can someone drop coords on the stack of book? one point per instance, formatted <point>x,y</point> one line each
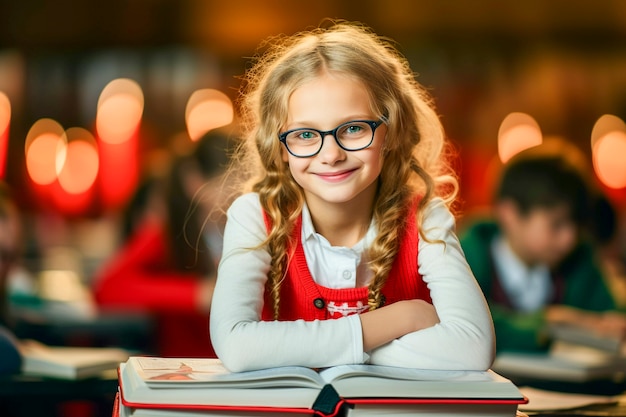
<point>179,387</point>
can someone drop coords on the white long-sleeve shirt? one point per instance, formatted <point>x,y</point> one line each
<point>463,340</point>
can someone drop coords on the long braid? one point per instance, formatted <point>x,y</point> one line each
<point>283,206</point>
<point>385,248</point>
<point>392,214</point>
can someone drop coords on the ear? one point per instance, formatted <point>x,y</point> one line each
<point>284,153</point>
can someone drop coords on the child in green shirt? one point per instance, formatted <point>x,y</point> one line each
<point>532,261</point>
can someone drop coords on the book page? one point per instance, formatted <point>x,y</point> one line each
<point>183,369</point>
<point>198,395</point>
<point>207,373</point>
<point>352,381</point>
<point>348,371</point>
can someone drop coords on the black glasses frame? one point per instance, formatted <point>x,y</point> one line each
<point>282,137</point>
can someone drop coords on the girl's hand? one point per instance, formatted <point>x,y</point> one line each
<point>395,320</point>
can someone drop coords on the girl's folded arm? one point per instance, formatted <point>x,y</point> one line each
<point>240,338</point>
<point>464,338</point>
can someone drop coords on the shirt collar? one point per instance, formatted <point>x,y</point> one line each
<point>528,287</point>
<point>308,230</point>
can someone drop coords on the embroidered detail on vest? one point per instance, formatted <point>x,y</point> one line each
<point>345,309</point>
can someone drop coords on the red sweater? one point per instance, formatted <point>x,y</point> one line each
<point>302,298</point>
<point>141,277</point>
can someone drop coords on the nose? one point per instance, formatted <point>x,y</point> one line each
<point>331,152</point>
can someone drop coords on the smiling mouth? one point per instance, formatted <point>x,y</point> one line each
<point>336,176</point>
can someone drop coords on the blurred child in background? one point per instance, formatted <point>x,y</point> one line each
<point>168,264</point>
<point>532,260</point>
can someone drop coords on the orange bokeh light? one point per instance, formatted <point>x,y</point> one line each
<point>80,168</point>
<point>608,159</point>
<point>120,108</point>
<point>604,125</point>
<point>518,131</point>
<point>207,109</point>
<point>45,149</point>
<point>5,112</point>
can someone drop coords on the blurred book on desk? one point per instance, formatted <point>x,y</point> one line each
<point>564,362</point>
<point>576,355</point>
<point>69,362</point>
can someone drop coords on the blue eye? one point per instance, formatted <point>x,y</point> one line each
<point>307,135</point>
<point>354,129</point>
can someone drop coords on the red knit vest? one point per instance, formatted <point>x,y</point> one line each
<point>302,298</point>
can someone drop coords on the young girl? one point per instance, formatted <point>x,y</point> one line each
<point>341,250</point>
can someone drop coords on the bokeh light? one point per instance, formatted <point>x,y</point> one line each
<point>5,112</point>
<point>120,108</point>
<point>207,109</point>
<point>518,131</point>
<point>80,168</point>
<point>45,150</point>
<point>608,149</point>
<point>604,125</point>
<point>5,120</point>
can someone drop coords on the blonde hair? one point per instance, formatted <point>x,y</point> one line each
<point>414,148</point>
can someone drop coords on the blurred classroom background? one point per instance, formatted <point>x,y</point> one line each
<point>95,94</point>
<point>97,97</point>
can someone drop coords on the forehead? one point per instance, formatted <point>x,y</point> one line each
<point>329,97</point>
<point>557,213</point>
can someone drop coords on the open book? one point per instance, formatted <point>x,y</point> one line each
<point>151,386</point>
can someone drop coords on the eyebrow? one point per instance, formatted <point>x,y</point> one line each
<point>299,125</point>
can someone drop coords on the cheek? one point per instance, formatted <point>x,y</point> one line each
<point>295,166</point>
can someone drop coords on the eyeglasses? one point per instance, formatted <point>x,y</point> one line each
<point>350,136</point>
